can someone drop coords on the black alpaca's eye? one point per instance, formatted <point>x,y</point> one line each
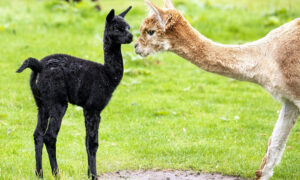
<point>150,32</point>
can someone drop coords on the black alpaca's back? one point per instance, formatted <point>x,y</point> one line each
<point>58,79</point>
<point>81,82</point>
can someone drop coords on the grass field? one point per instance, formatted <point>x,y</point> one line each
<point>166,114</point>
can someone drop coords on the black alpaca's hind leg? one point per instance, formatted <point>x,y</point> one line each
<point>56,113</point>
<point>38,139</point>
<point>92,121</point>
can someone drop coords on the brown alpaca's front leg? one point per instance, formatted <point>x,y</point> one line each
<point>287,119</point>
<point>263,163</point>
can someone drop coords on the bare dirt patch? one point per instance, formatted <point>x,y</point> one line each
<point>165,175</point>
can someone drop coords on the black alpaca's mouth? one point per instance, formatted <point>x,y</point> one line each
<point>129,39</point>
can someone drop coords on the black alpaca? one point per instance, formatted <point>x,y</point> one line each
<point>58,79</point>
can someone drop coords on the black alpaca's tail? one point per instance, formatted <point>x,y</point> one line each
<point>32,63</point>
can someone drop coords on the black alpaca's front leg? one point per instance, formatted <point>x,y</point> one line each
<point>92,121</point>
<point>38,139</point>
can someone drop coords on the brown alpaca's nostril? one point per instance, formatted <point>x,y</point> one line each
<point>136,45</point>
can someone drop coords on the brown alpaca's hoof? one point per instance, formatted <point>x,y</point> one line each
<point>258,174</point>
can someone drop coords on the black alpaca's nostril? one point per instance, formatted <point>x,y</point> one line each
<point>136,45</point>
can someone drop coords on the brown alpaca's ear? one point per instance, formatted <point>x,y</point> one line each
<point>168,4</point>
<point>165,19</point>
<point>158,12</point>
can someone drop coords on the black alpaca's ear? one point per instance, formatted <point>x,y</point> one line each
<point>110,15</point>
<point>125,12</point>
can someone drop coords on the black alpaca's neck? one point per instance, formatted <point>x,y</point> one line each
<point>113,61</point>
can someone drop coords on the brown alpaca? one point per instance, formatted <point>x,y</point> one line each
<point>272,62</point>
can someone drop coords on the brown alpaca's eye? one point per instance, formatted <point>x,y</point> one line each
<point>150,32</point>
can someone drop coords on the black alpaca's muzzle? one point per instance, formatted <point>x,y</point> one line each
<point>129,39</point>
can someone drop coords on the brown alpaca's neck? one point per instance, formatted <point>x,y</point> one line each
<point>229,60</point>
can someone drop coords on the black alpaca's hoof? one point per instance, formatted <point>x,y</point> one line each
<point>55,173</point>
<point>91,176</point>
<point>39,174</point>
<point>89,173</point>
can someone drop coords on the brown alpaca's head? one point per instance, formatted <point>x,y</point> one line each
<point>157,30</point>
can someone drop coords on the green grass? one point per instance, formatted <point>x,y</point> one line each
<point>166,114</point>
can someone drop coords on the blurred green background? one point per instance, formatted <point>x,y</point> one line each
<point>166,113</point>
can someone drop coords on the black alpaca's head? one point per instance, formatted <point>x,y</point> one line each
<point>117,29</point>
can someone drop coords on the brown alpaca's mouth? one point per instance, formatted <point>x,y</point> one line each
<point>139,52</point>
